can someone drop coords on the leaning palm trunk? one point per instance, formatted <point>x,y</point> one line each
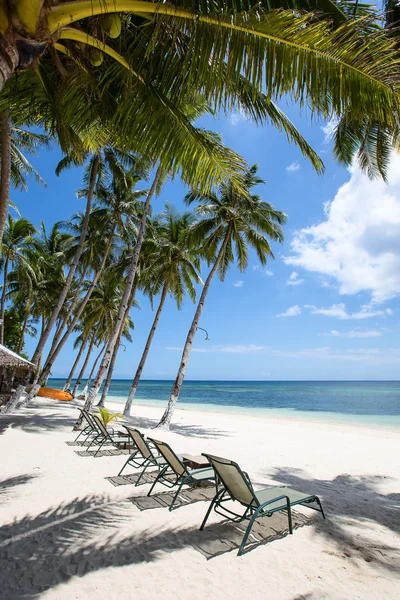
<point>5,170</point>
<point>3,301</point>
<point>176,388</point>
<point>70,311</point>
<point>115,351</point>
<point>135,382</point>
<point>125,298</point>
<point>83,369</point>
<point>78,358</point>
<point>89,379</point>
<point>71,273</point>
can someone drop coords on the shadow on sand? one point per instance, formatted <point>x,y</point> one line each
<point>39,552</point>
<point>352,504</point>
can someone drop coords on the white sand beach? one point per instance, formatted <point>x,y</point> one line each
<point>68,533</point>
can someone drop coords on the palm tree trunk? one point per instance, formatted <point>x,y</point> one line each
<point>52,357</point>
<point>176,388</point>
<point>85,363</point>
<point>71,309</point>
<point>125,298</point>
<point>89,379</point>
<point>3,301</point>
<point>71,273</point>
<point>76,362</point>
<point>5,168</point>
<point>135,382</point>
<point>116,350</point>
<point>24,326</point>
<point>9,59</point>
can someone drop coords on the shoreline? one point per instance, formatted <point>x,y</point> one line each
<point>268,414</point>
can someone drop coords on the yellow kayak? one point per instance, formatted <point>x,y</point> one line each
<point>54,394</point>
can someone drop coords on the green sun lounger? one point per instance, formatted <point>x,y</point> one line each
<point>175,472</point>
<point>237,487</point>
<point>107,436</point>
<point>144,455</point>
<point>90,429</point>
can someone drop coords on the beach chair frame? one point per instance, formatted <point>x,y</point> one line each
<point>175,472</point>
<point>242,491</point>
<point>143,457</point>
<point>89,429</point>
<point>106,436</point>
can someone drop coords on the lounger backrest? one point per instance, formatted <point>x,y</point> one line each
<point>172,459</point>
<point>140,442</point>
<point>233,479</point>
<point>100,425</point>
<point>88,417</point>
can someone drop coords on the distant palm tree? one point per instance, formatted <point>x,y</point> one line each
<point>17,235</point>
<point>229,224</point>
<point>174,266</point>
<point>15,167</point>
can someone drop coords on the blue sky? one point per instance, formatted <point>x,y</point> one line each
<point>326,308</point>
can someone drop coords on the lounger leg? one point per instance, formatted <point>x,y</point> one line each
<point>177,492</point>
<point>100,447</point>
<point>160,474</point>
<point>320,506</point>
<point>93,441</point>
<point>145,466</point>
<point>126,462</point>
<point>212,504</point>
<point>246,535</point>
<point>289,514</point>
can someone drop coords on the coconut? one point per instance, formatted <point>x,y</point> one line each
<point>96,57</point>
<point>111,25</point>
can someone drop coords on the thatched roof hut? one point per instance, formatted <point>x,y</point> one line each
<point>12,368</point>
<point>11,360</point>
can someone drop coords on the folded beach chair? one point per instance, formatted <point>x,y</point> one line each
<point>89,429</point>
<point>107,436</point>
<point>263,503</point>
<point>144,455</point>
<point>175,472</point>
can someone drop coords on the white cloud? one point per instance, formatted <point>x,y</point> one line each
<point>367,355</point>
<point>294,279</point>
<point>237,117</point>
<point>269,273</point>
<point>238,283</point>
<point>226,349</point>
<point>256,268</point>
<point>293,311</point>
<point>358,243</point>
<point>329,129</point>
<point>339,311</point>
<point>294,166</point>
<point>354,334</point>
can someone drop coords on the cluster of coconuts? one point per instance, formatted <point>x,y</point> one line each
<point>111,25</point>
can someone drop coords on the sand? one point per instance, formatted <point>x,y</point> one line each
<point>67,532</point>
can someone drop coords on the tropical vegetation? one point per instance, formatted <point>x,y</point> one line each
<point>119,86</point>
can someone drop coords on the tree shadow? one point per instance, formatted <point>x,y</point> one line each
<point>351,505</point>
<point>8,485</point>
<point>35,423</point>
<point>40,552</point>
<point>195,431</point>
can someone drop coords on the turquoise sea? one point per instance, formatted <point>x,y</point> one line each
<point>370,403</point>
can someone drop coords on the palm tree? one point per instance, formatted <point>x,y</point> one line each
<point>81,342</point>
<point>17,236</point>
<point>348,65</point>
<point>174,266</point>
<point>367,139</point>
<point>230,223</point>
<point>108,159</point>
<point>122,209</point>
<point>15,167</point>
